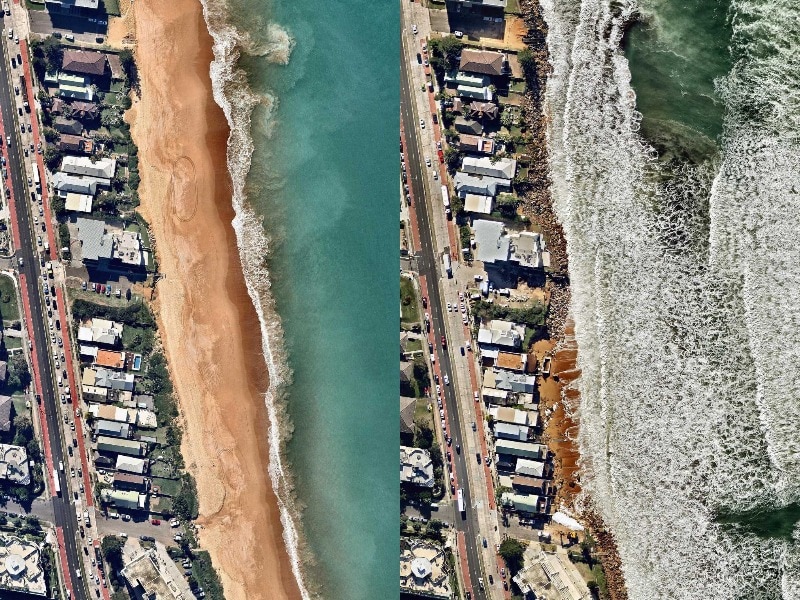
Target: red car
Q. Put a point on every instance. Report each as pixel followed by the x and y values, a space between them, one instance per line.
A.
pixel 444 342
pixel 155 521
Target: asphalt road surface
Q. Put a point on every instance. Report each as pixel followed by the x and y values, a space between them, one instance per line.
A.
pixel 63 508
pixel 427 263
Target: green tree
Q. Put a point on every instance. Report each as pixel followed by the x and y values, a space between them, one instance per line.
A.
pixel 507 204
pixel 185 502
pixel 134 180
pixel 111 547
pixel 51 135
pixel 452 158
pixel 527 61
pixel 52 158
pixel 512 552
pixel 58 204
pixel 53 53
pixel 19 376
pixel 423 437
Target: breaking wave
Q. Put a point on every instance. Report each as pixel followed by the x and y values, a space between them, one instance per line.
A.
pixel 238 101
pixel 685 295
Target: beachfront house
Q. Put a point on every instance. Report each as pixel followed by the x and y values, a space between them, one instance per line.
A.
pixel 475 144
pixel 498 334
pixel 126 499
pixel 494 245
pixel 485 186
pixel 112 429
pixel 483 62
pixel 112 445
pixel 501 168
pixel 521 449
pixel 522 503
pixel 68 126
pixel 84 62
pixel 75 144
pixel 130 464
pixel 101 170
pixel 130 482
pixel 101 332
pixel 416 467
pixel 109 249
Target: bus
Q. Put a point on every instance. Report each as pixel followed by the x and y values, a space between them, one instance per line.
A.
pixel 461 507
pixel 446 199
pixel 56 484
pixel 36 181
pixel 447 265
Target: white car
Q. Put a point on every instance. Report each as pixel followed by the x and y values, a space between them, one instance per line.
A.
pixel 428 161
pixel 422 123
pixel 458 34
pixel 449 307
pixel 446 380
pixel 414 29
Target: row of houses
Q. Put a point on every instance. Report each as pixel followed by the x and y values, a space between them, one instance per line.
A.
pixel 80 178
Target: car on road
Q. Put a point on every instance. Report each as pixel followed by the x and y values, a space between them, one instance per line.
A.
pixel 427 161
pixel 446 380
pixel 21 125
pixel 414 29
pixel 444 342
pixel 422 123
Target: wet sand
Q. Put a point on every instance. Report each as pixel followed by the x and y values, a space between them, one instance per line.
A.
pixel 208 325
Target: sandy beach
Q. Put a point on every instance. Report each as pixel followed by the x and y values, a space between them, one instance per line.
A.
pixel 208 326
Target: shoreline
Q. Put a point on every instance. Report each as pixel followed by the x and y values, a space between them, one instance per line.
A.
pixel 559 399
pixel 215 356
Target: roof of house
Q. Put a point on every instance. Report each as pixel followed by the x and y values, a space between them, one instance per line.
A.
pixel 86 62
pixel 130 464
pixel 85 110
pixel 482 61
pixel 511 431
pixel 529 468
pixel 407 406
pixel 64 125
pixel 72 143
pixel 129 478
pixel 78 202
pixel 481 110
pixel 65 183
pixel 118 445
pixel 56 106
pixel 478 203
pixel 110 358
pixel 492 245
pixel 474 143
pixel 502 168
pixel 115 64
pixel 511 360
pixel 102 168
pixel 112 428
pixel 5 413
pixel 95 242
pixel 486 186
pixel 462 125
pixel 519 449
pixel 416 466
pixel 521 502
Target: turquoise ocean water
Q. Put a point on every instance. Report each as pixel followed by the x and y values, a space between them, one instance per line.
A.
pixel 312 92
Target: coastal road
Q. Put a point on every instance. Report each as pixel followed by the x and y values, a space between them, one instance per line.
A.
pixel 63 508
pixel 427 261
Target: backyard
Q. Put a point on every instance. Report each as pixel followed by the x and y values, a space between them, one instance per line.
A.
pixel 409 311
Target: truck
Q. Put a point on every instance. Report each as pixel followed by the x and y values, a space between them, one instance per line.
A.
pixel 36 181
pixel 446 200
pixel 24 91
pixel 448 267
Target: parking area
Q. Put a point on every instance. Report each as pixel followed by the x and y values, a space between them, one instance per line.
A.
pixel 85 30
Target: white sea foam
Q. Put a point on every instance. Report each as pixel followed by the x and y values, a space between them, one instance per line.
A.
pixel 238 101
pixel 685 297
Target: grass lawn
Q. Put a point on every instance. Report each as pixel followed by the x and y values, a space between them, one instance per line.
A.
pixel 19 404
pixel 413 345
pixel 12 343
pixel 112 8
pixel 161 469
pixel 422 415
pixel 31 5
pixel 9 309
pixel 408 301
pixel 512 7
pixel 518 87
pixel 168 487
